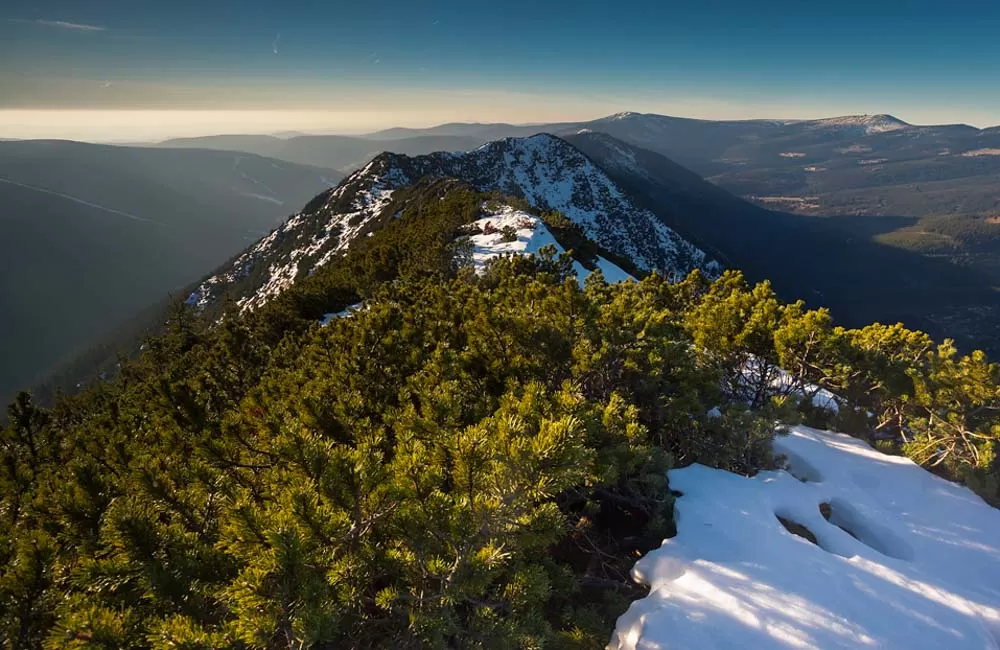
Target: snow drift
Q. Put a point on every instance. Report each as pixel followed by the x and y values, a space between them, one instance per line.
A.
pixel 531 235
pixel 901 558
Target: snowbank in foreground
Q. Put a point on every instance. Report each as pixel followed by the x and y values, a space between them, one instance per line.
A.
pixel 920 567
pixel 532 236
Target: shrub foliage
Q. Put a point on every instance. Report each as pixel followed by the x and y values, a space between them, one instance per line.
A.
pixel 465 461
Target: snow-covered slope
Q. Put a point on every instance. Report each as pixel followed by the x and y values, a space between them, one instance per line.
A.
pixel 866 124
pixel 488 242
pixel 531 236
pixel 549 172
pixel 903 559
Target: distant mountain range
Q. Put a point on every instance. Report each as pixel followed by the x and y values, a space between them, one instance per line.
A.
pixel 909 229
pixel 93 233
pixel 345 153
pixel 932 190
pixel 873 165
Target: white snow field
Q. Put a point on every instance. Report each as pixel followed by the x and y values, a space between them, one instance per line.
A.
pixel 532 236
pixel 920 567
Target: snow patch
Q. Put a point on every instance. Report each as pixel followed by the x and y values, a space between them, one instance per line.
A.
pixel 975 153
pixel 531 235
pixel 345 313
pixel 867 124
pixel 901 559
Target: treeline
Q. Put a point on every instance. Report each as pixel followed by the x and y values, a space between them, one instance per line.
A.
pixel 465 461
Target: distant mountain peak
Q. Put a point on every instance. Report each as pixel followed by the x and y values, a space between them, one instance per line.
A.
pixel 530 142
pixel 879 123
pixel 623 116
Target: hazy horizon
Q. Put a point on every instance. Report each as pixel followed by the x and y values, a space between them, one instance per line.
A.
pixel 128 71
pixel 111 126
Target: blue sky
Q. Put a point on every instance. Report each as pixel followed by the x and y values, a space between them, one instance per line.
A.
pixel 394 62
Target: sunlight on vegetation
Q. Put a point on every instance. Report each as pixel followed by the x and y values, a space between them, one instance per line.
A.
pixel 468 461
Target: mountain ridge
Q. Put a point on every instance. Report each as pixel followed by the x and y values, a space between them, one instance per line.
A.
pixel 546 171
pixel 341 152
pixel 403 451
pixel 834 262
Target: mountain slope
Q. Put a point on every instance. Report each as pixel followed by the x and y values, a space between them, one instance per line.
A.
pixel 93 233
pixel 487 132
pixel 400 452
pixel 862 164
pixel 862 124
pixel 827 262
pixel 547 172
pixel 341 152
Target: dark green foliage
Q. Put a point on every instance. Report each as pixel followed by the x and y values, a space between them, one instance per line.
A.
pixel 572 238
pixel 896 385
pixel 464 462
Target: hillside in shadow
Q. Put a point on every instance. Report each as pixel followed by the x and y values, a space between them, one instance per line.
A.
pixel 832 262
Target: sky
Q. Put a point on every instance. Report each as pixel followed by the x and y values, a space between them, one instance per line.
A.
pixel 121 70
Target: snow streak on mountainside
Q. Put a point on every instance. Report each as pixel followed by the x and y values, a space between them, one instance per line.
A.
pixel 899 557
pixel 547 171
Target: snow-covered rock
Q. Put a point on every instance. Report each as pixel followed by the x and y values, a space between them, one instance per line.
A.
pixel 531 236
pixel 902 559
pixel 344 313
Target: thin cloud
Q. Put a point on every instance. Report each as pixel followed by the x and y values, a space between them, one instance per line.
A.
pixel 274 45
pixel 61 24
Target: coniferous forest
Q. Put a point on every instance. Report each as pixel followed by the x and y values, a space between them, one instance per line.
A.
pixel 465 461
